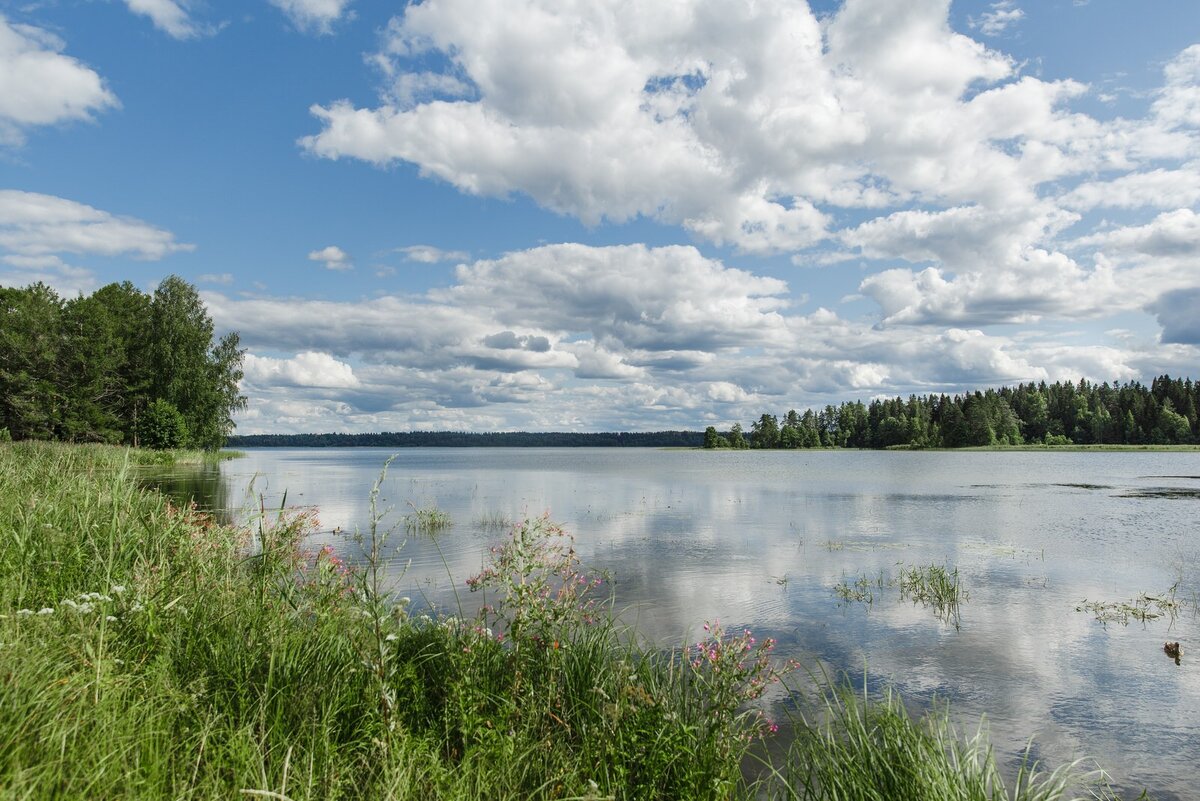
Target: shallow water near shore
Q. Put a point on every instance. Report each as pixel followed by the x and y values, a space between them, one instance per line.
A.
pixel 761 539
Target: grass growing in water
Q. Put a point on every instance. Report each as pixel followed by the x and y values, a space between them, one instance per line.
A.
pixel 426 520
pixel 934 586
pixel 1143 608
pixel 858 749
pixel 494 521
pixel 930 585
pixel 147 653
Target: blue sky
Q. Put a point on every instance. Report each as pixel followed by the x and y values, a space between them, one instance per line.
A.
pixel 547 214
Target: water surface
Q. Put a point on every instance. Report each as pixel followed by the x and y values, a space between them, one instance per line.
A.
pixel 759 539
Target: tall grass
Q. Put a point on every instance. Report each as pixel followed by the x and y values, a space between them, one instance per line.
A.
pixel 147 653
pixel 858 749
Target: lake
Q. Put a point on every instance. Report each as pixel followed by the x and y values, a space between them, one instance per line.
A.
pixel 760 539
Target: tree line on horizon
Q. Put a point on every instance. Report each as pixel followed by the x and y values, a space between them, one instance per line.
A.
pixel 118 366
pixel 1062 413
pixel 467 439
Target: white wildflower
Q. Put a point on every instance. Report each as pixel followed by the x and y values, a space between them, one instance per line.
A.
pixel 67 602
pixel 24 612
pixel 117 589
pixel 46 610
pixel 110 619
pixel 390 638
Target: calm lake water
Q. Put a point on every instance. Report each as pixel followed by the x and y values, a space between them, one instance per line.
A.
pixel 760 539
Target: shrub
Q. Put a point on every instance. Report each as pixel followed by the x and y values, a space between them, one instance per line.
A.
pixel 161 426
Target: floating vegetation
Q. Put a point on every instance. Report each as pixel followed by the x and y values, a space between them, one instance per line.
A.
pixel 1143 608
pixel 935 586
pixel 1163 492
pixel 427 519
pixel 862 545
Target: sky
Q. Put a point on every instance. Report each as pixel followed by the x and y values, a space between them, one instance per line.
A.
pixel 618 214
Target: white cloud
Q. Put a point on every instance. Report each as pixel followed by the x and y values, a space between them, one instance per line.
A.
pixel 732 120
pixel 215 278
pixel 333 257
pixel 306 369
pixel 1000 18
pixel 428 254
pixel 170 17
pixel 1170 235
pixel 317 16
pixel 666 298
pixel 37 225
pixel 1159 188
pixel 577 337
pixel 41 86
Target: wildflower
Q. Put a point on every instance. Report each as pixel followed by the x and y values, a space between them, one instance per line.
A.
pixel 110 619
pixel 24 612
pixel 45 610
pixel 117 589
pixel 390 638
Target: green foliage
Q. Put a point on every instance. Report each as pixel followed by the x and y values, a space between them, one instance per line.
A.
pixel 5 435
pixel 86 369
pixel 162 427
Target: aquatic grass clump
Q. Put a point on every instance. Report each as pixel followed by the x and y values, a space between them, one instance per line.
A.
pixel 426 519
pixel 1143 608
pixel 929 585
pixel 862 749
pixel 934 586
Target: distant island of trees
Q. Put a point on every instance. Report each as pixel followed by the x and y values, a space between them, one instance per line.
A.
pixel 118 366
pixel 464 439
pixel 1062 413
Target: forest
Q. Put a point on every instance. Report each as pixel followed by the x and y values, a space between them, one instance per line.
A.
pixel 465 439
pixel 1062 413
pixel 117 366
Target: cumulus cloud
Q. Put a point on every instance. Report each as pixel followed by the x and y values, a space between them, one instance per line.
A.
pixel 170 17
pixel 735 121
pixel 34 225
pixel 39 85
pixel 333 257
pixel 306 369
pixel 316 16
pixel 1170 235
pixel 621 337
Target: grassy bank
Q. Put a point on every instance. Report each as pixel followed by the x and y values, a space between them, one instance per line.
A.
pixel 147 653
